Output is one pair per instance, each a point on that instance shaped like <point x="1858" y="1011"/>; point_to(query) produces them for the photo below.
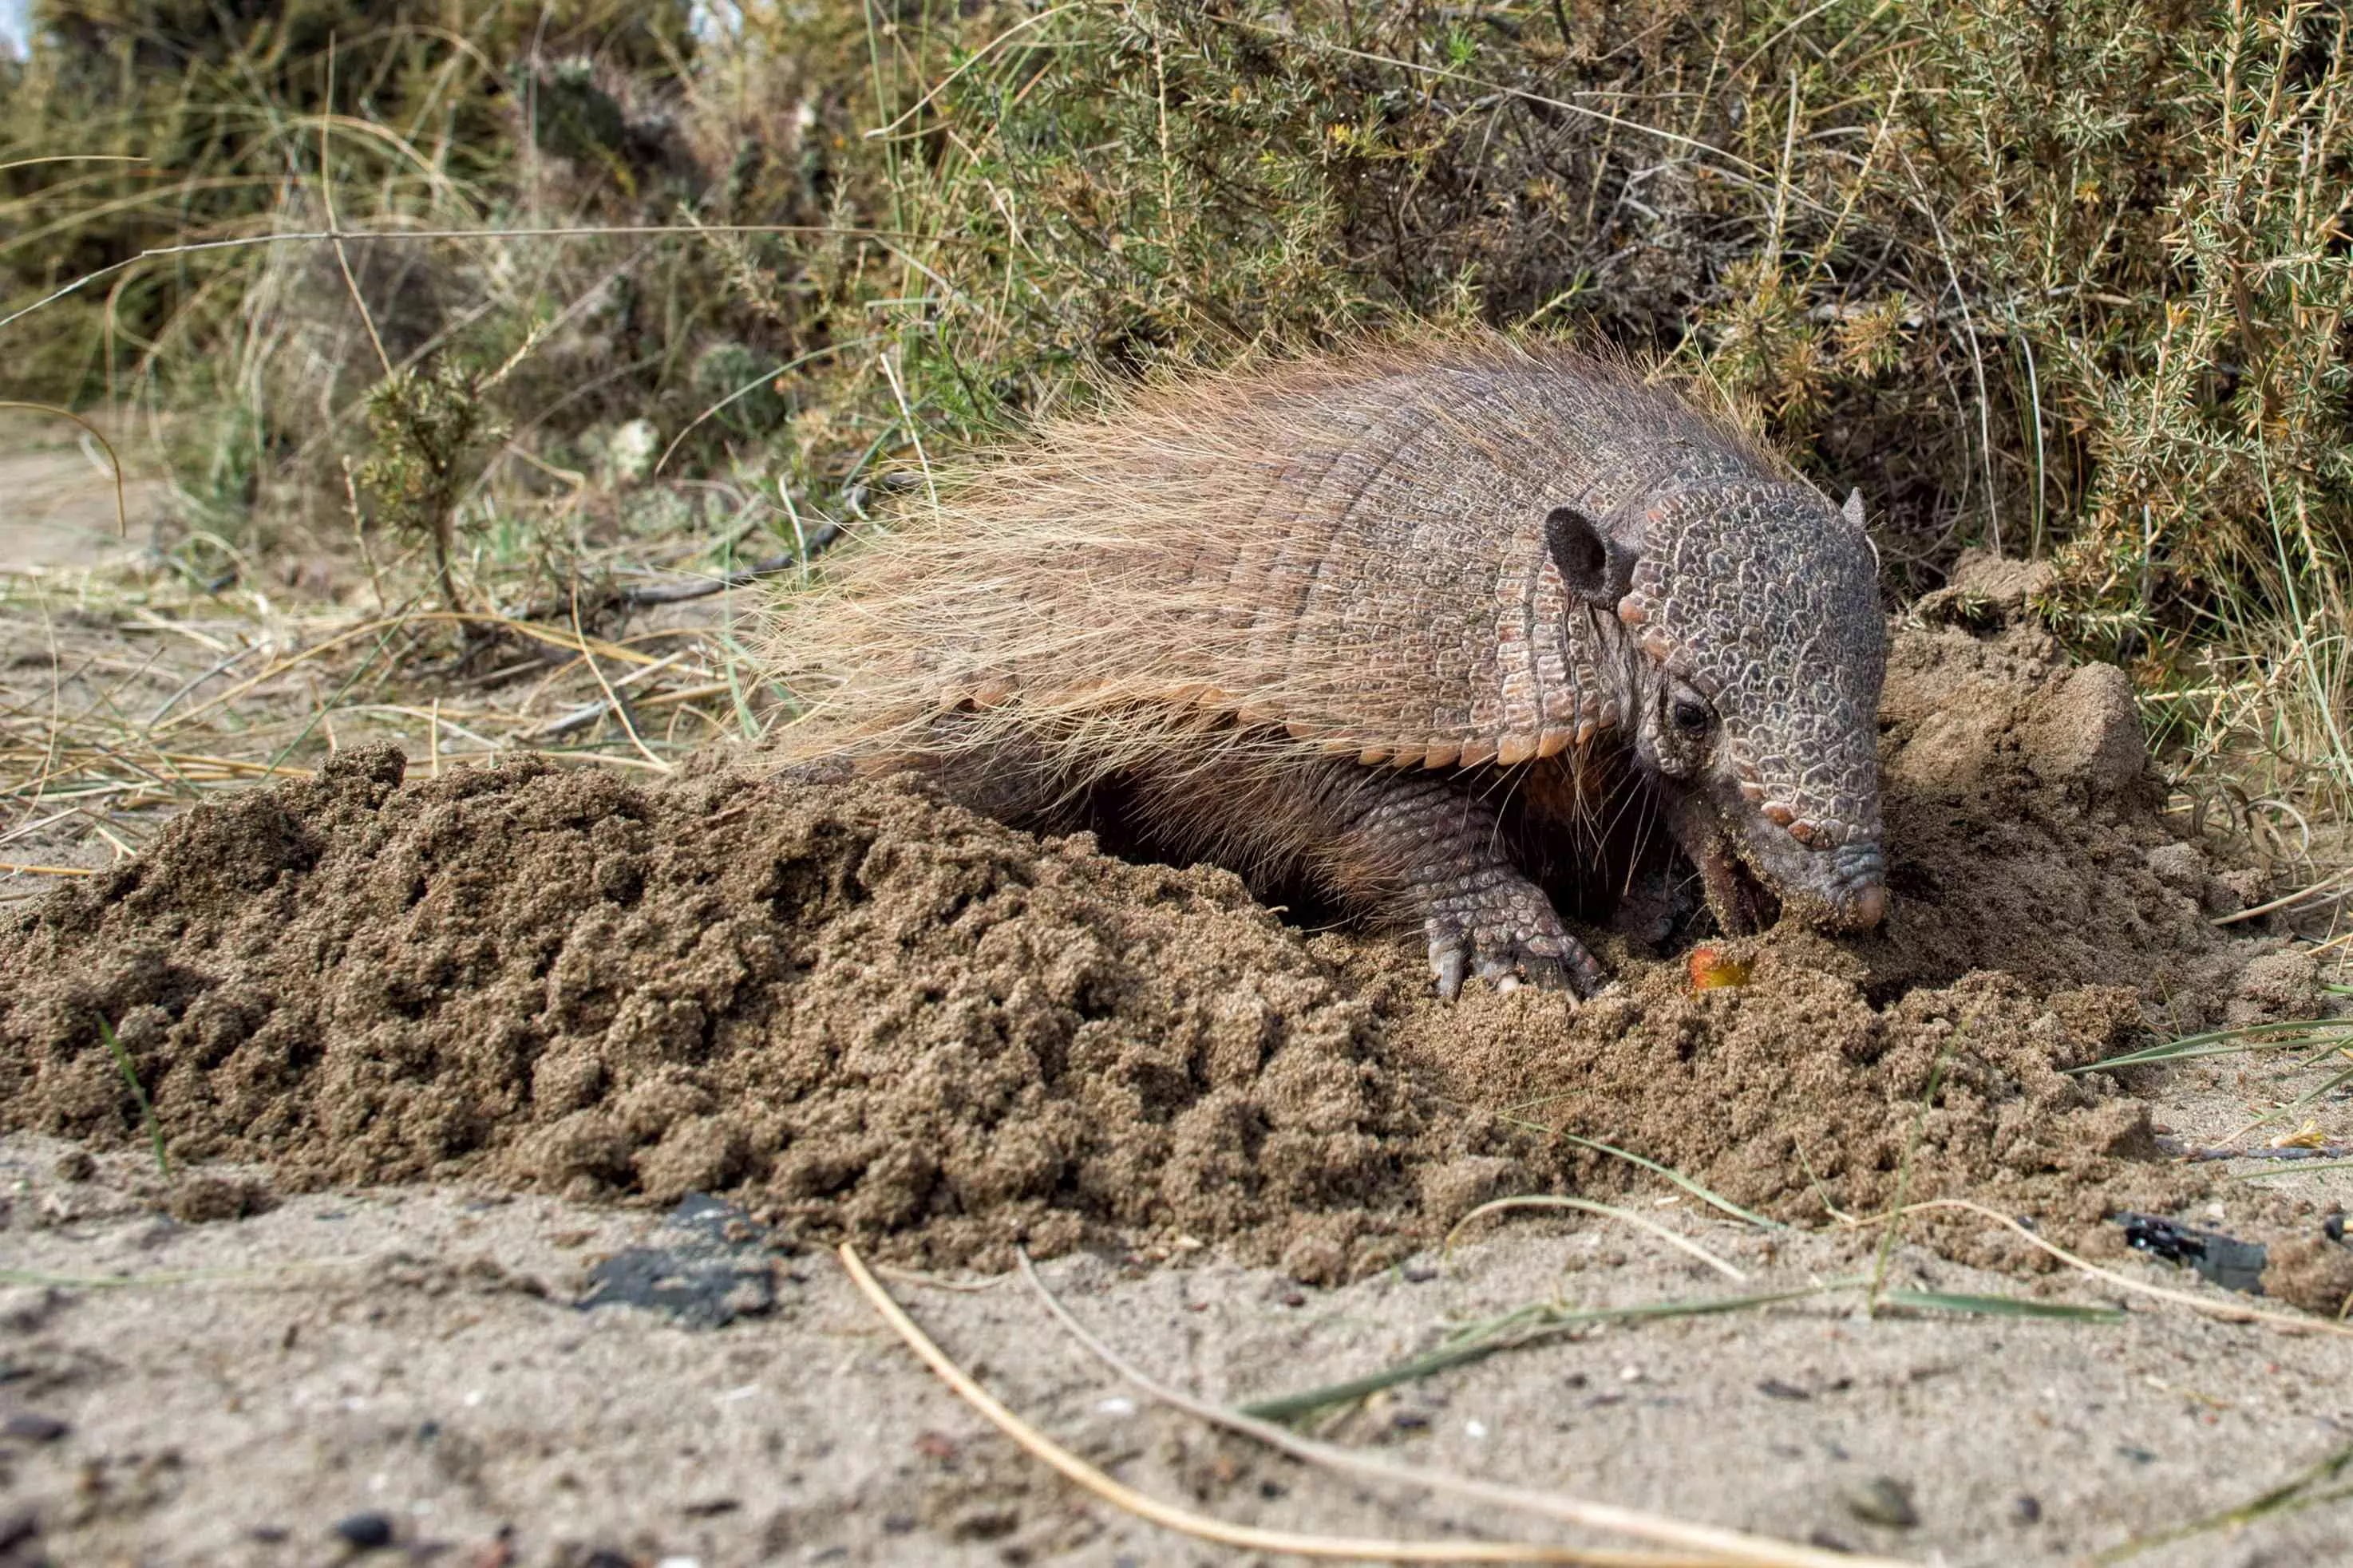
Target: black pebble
<point x="364" y="1531"/>
<point x="2027" y="1509"/>
<point x="31" y="1427"/>
<point x="1774" y="1388"/>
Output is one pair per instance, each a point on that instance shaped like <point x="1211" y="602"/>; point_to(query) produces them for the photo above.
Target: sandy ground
<point x="58" y="499"/>
<point x="419" y="1353"/>
<point x="388" y="1327"/>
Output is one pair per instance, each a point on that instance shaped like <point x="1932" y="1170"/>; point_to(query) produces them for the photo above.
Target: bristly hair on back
<point x="1134" y="581"/>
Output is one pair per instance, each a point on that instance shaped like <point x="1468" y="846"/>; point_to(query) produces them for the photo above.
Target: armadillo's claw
<point x="1450" y="956"/>
<point x="1501" y="927"/>
<point x="1544" y="973"/>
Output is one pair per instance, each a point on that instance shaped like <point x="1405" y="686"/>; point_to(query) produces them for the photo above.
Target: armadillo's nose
<point x="1859" y="886"/>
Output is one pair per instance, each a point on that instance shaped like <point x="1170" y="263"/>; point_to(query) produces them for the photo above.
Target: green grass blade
<point x="146" y="1110"/>
<point x="2286" y="1036"/>
<point x="1523" y="1327"/>
<point x="1999" y="1306"/>
<point x="1712" y="1200"/>
<point x="2298" y="1492"/>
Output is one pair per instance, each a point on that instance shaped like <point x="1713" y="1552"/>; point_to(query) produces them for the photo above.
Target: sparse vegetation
<point x="2069" y="281"/>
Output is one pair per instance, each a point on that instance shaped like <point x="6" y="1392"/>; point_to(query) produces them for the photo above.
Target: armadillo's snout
<point x="1858" y="886"/>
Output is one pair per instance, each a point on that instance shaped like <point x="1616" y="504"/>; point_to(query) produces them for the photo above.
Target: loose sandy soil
<point x="416" y="1352"/>
<point x="432" y="1052"/>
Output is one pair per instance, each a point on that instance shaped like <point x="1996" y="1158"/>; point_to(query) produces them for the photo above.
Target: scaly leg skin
<point x="1480" y="914"/>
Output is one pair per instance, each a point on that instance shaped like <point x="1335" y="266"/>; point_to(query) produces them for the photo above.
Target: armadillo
<point x="1404" y="626"/>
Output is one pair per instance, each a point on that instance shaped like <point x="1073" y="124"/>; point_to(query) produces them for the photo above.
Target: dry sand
<point x="453" y="1040"/>
<point x="414" y="1354"/>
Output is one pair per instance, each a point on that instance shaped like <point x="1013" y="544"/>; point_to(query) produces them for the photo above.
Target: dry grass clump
<point x="2071" y="280"/>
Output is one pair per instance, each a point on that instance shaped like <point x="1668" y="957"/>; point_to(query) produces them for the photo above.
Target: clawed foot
<point x="1502" y="929"/>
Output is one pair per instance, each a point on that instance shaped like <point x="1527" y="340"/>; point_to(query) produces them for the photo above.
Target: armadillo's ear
<point x="1853" y="510"/>
<point x="1596" y="567"/>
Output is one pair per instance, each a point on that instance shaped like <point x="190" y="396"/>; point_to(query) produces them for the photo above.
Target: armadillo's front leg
<point x="1438" y="848"/>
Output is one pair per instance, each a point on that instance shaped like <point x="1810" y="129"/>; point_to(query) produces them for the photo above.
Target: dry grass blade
<point x="1725" y="1546"/>
<point x="1587" y="1206"/>
<point x="121" y="509"/>
<point x="2337" y="885"/>
<point x="2227" y="1312"/>
<point x="1249" y="1538"/>
<point x="620" y="709"/>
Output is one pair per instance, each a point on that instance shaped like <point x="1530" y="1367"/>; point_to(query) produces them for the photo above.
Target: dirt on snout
<point x="870" y="1013"/>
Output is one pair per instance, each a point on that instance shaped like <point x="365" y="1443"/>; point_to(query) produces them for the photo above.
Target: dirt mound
<point x="875" y="1013"/>
<point x="888" y="1016"/>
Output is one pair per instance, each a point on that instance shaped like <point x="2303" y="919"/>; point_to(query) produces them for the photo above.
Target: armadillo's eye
<point x="1690" y="715"/>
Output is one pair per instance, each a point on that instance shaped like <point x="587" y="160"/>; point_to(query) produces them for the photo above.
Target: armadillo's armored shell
<point x="1353" y="553"/>
<point x="1401" y="601"/>
<point x="1359" y="559"/>
<point x="1767" y="602"/>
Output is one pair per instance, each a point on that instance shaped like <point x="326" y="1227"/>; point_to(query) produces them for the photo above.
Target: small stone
<point x="76" y="1165"/>
<point x="1774" y="1388"/>
<point x="364" y="1531"/>
<point x="1884" y="1500"/>
<point x="2026" y="1508"/>
<point x="2139" y="1456"/>
<point x="31" y="1427"/>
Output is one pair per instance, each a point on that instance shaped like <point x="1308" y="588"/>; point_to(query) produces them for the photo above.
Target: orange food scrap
<point x="1710" y="968"/>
